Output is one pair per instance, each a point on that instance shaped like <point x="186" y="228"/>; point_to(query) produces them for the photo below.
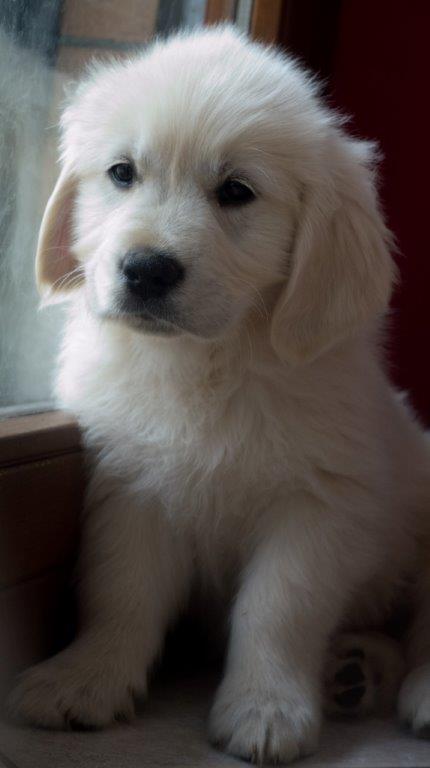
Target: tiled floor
<point x="170" y="731"/>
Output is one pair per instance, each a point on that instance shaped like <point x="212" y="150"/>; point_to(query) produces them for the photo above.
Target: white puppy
<point x="227" y="265"/>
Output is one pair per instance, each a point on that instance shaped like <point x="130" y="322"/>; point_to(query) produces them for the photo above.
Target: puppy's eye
<point x="122" y="174"/>
<point x="234" y="192"/>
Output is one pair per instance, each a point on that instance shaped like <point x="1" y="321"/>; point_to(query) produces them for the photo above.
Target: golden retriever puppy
<point x="219" y="239"/>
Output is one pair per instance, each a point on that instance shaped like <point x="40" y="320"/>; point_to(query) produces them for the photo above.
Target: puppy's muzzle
<point x="150" y="274"/>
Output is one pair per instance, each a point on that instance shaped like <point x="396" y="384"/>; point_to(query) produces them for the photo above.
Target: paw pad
<point x="351" y="698"/>
<point x="349" y="686"/>
<point x="350" y="674"/>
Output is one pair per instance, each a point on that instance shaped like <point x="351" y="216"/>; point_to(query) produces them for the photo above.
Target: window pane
<point x="43" y="43"/>
<point x="243" y="14"/>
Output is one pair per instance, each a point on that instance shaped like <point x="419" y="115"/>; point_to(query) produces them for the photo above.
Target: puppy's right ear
<point x="57" y="270"/>
<point x="342" y="272"/>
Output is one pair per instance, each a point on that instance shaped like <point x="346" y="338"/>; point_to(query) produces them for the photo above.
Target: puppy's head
<point x="203" y="181"/>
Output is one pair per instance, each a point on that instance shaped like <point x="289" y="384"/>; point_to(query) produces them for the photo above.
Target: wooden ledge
<point x="40" y="436"/>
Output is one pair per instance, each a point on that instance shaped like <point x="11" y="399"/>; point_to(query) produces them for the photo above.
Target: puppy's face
<point x="185" y="205"/>
<point x="187" y="178"/>
<point x="178" y="230"/>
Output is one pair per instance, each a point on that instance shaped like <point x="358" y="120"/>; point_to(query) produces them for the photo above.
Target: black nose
<point x="150" y="273"/>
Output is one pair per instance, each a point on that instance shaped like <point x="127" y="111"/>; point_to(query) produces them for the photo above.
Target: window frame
<point x="266" y="20"/>
<point x="266" y="16"/>
<point x="219" y="10"/>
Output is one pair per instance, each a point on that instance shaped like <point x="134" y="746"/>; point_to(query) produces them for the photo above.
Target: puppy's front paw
<point x="61" y="693"/>
<point x="414" y="701"/>
<point x="263" y="725"/>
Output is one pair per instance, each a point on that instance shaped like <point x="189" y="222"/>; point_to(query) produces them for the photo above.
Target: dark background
<point x="374" y="58"/>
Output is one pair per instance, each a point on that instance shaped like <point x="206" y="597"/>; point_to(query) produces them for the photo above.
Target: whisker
<point x="76" y="275"/>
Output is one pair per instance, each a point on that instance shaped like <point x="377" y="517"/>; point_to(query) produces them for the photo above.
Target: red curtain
<point x="375" y="58"/>
<point x="380" y="75"/>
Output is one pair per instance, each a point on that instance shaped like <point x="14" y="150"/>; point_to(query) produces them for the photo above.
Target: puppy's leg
<point x="414" y="697"/>
<point x="268" y="706"/>
<point x="363" y="672"/>
<point x="136" y="576"/>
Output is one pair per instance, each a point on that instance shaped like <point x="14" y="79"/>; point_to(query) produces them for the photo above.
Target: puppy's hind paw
<point x="363" y="674"/>
<point x="350" y="688"/>
<point x="414" y="701"/>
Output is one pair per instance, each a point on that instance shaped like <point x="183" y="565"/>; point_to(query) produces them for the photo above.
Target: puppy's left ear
<point x="56" y="267"/>
<point x="341" y="269"/>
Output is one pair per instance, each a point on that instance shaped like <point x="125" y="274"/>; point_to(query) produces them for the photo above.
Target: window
<point x="45" y="44"/>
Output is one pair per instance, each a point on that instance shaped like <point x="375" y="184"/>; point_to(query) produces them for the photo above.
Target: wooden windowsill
<point x="42" y="484"/>
<point x="40" y="436"/>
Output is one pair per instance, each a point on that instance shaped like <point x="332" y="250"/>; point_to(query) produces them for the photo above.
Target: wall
<point x="381" y="75"/>
<point x="374" y="56"/>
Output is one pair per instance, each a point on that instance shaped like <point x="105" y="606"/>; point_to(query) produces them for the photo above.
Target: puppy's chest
<point x="214" y="492"/>
<point x="210" y="451"/>
<point x="210" y="469"/>
<point x="208" y="461"/>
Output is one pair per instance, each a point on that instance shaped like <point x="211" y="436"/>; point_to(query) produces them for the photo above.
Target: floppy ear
<point x="341" y="272"/>
<point x="55" y="264"/>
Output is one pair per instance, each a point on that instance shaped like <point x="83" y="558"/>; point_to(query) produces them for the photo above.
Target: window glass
<point x="243" y="14"/>
<point x="43" y="45"/>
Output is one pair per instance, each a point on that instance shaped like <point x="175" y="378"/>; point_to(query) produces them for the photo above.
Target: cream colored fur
<point x="248" y="439"/>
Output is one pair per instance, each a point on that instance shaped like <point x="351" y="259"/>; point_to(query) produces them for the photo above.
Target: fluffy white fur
<point x="248" y="436"/>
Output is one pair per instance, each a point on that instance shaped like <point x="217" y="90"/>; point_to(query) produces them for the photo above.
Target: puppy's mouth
<point x="154" y="316"/>
<point x="146" y="324"/>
